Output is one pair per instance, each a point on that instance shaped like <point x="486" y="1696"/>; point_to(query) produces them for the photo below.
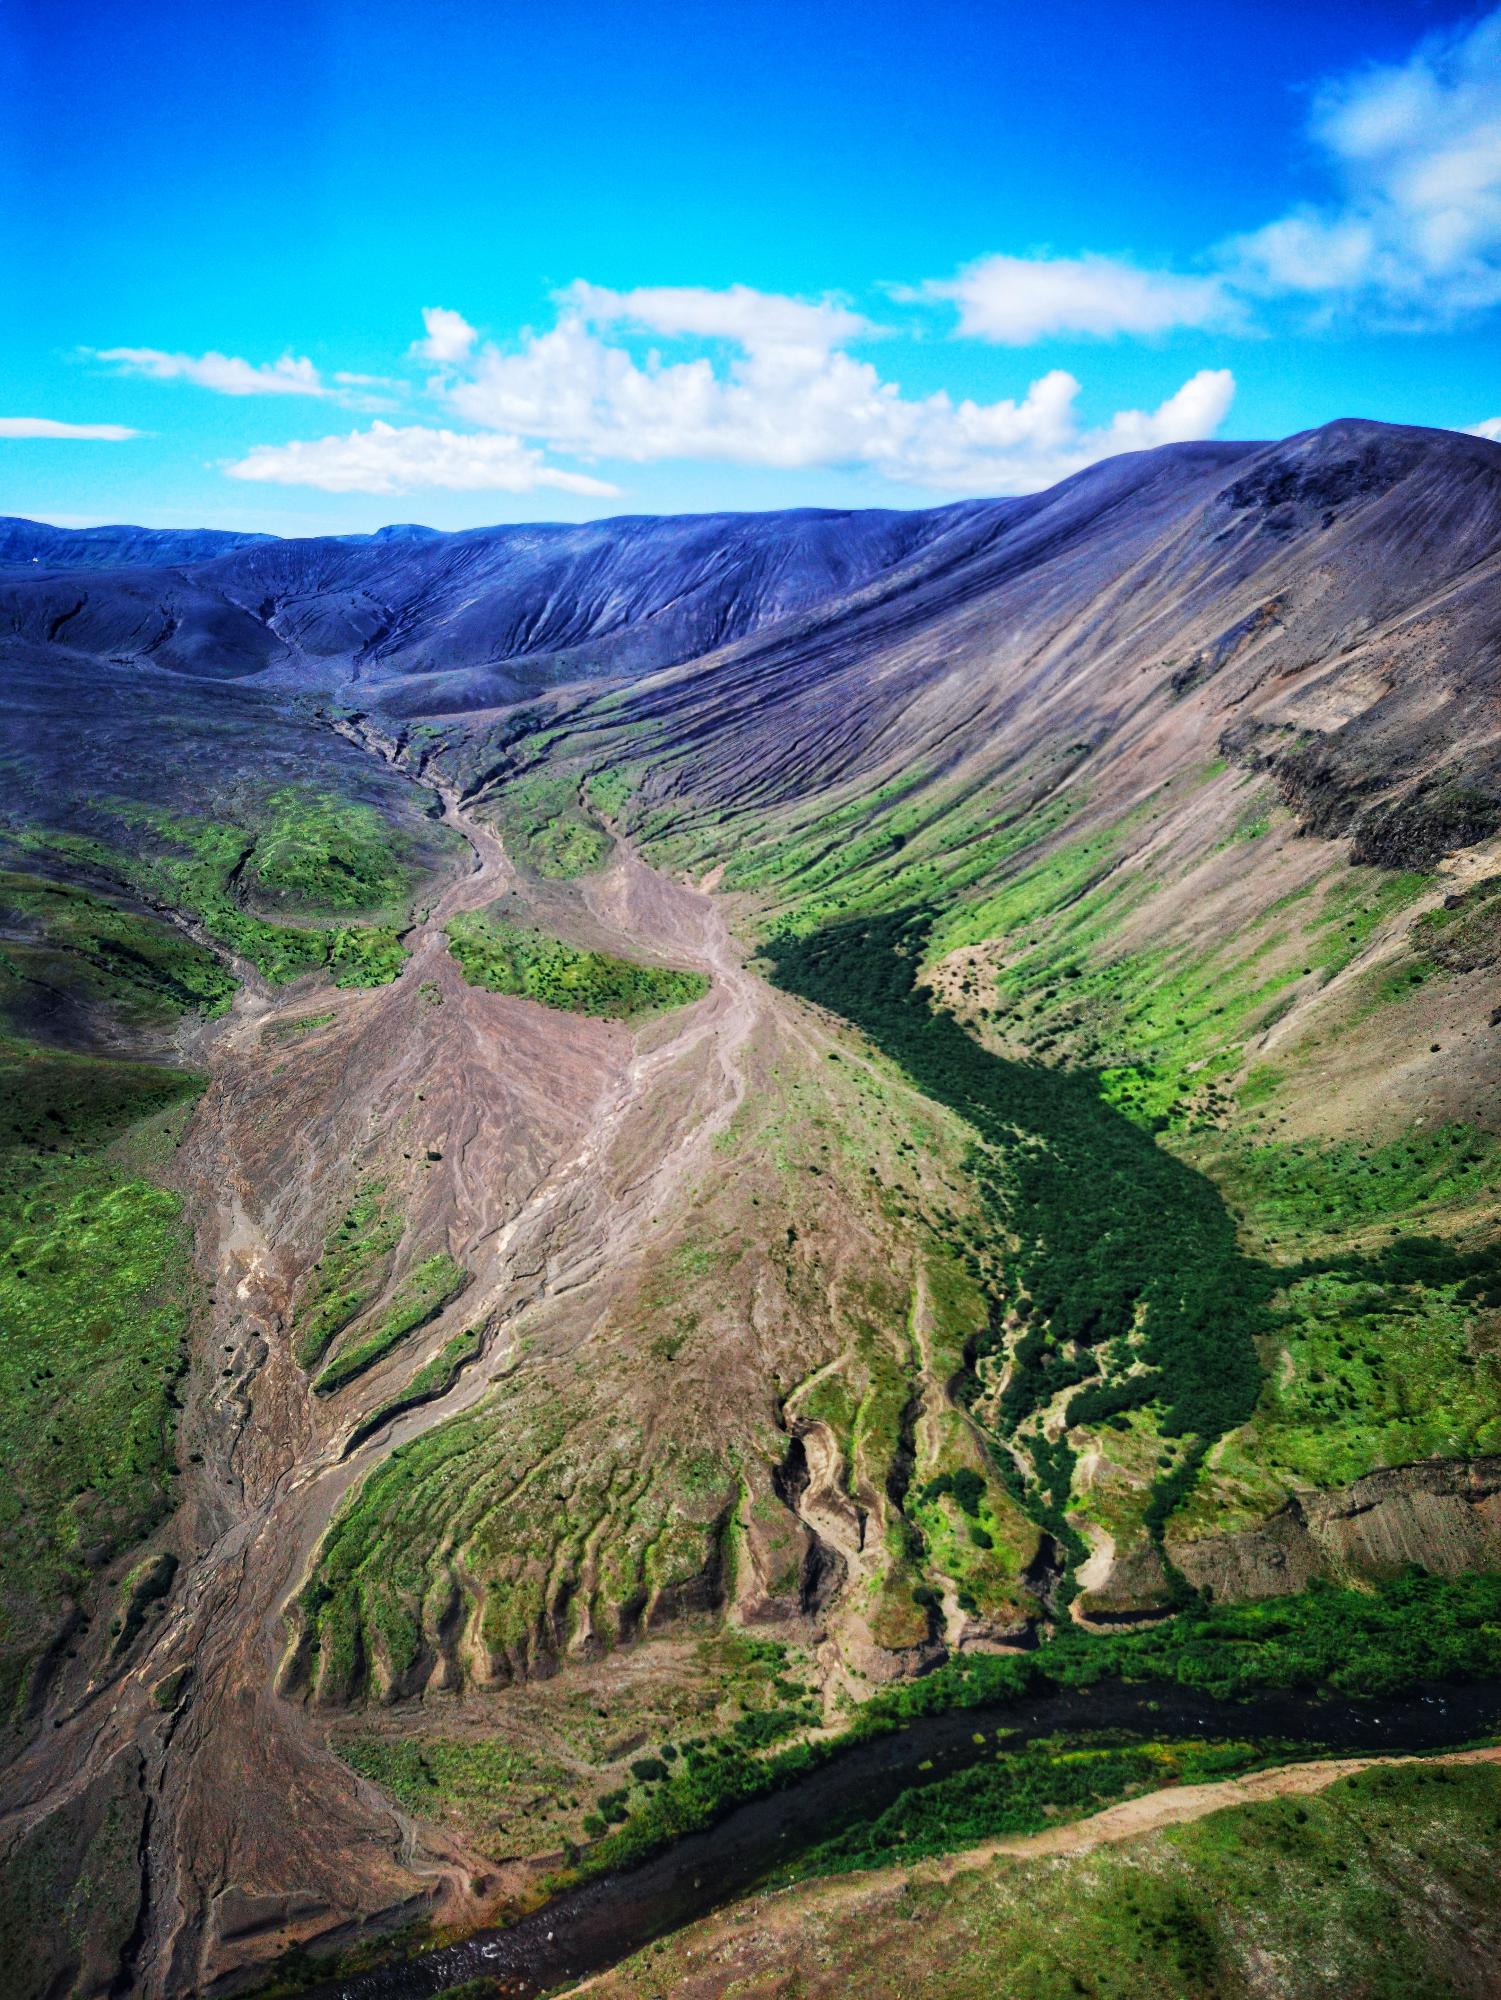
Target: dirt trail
<point x="256" y="1833"/>
<point x="1183" y="1803"/>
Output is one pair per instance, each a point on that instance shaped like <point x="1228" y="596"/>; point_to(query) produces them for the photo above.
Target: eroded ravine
<point x="254" y="1829"/>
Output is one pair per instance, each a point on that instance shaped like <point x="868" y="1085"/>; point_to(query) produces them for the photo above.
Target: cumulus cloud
<point x="1415" y="228"/>
<point x="1409" y="236"/>
<point x="1018" y="300"/>
<point x="449" y="336"/>
<point x="738" y="313"/>
<point x="49" y="427"/>
<point x="390" y="458"/>
<point x="1489" y="428"/>
<point x="226" y="374"/>
<point x="785" y="401"/>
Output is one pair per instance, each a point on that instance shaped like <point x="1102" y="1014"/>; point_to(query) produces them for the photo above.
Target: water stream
<point x="588" y="1929"/>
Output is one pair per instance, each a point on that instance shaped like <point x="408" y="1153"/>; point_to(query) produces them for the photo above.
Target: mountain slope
<point x="775" y="1114"/>
<point x="448" y="621"/>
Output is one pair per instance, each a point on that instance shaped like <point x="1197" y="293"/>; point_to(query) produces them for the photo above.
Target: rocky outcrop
<point x="1442" y="1514"/>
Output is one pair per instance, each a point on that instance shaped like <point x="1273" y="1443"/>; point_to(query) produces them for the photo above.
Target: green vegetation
<point x="1364" y="1643"/>
<point x="94" y="1299"/>
<point x="435" y="1378"/>
<point x="1464" y="933"/>
<point x="323" y="855"/>
<point x="349" y="1275"/>
<point x="510" y="958"/>
<point x="71" y="1887"/>
<point x="544" y="824"/>
<point x="1300" y="1196"/>
<point x="908" y="842"/>
<point x="1416" y="1629"/>
<point x="59" y="936"/>
<point x="1381" y="1885"/>
<point x="436" y="1776"/>
<point x="364" y="955"/>
<point x="422" y="1294"/>
<point x="302" y="851"/>
<point x="488" y="1510"/>
<point x="294" y="1030"/>
<point x="1020" y="1789"/>
<point x="1125" y="1272"/>
<point x="440" y="1374"/>
<point x="608" y="791"/>
<point x="1164" y="1027"/>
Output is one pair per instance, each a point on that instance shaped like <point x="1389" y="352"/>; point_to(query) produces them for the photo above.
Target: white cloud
<point x="781" y="401"/>
<point x="399" y="459"/>
<point x="738" y="313"/>
<point x="1415" y="230"/>
<point x="1195" y="411"/>
<point x="1490" y="428"/>
<point x="226" y="374"/>
<point x="49" y="427"/>
<point x="449" y="336"/>
<point x="1019" y="300"/>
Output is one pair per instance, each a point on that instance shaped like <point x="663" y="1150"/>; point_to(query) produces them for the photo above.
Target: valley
<point x="645" y="1161"/>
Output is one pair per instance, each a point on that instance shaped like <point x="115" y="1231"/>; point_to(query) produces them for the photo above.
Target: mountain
<point x="636" y="1157"/>
<point x="445" y="621"/>
<point x="37" y="543"/>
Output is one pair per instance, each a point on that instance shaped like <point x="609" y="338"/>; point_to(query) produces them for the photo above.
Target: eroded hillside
<point x="933" y="1083"/>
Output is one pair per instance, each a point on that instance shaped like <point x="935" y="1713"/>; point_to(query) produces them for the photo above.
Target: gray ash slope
<point x="445" y="622"/>
<point x="1326" y="610"/>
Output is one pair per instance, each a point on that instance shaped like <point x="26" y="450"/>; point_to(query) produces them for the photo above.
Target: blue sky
<point x="320" y="266"/>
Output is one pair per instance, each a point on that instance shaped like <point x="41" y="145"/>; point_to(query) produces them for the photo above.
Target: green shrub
<point x="506" y="957"/>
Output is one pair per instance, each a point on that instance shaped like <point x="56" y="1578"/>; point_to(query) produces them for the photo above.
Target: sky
<point x="310" y="268"/>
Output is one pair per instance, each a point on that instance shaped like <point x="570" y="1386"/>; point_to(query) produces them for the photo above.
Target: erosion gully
<point x="262" y="1500"/>
<point x="588" y="1929"/>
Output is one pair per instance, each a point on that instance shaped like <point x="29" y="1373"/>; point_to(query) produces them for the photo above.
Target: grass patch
<point x="94" y="1299"/>
<point x="322" y="855"/>
<point x="1021" y="1789"/>
<point x="545" y="825"/>
<point x="302" y="851"/>
<point x="57" y="935"/>
<point x="422" y="1294"/>
<point x="349" y="1275"/>
<point x="505" y="957"/>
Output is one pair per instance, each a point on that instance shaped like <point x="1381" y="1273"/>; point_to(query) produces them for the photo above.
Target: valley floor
<point x="1346" y="1876"/>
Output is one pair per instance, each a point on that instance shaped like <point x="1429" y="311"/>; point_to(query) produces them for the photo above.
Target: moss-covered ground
<point x="297" y="852"/>
<point x="508" y="957"/>
<point x="95" y="1294"/>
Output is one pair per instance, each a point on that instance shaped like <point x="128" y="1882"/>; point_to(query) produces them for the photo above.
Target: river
<point x="587" y="1929"/>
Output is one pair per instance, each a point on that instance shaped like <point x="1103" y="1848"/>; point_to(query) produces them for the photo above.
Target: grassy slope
<point x="1077" y="956"/>
<point x="1380" y="1885"/>
<point x="94" y="1297"/>
<point x="296" y="852"/>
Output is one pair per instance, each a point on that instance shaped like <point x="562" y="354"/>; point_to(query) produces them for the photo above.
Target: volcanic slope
<point x="427" y="621"/>
<point x="630" y="1312"/>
